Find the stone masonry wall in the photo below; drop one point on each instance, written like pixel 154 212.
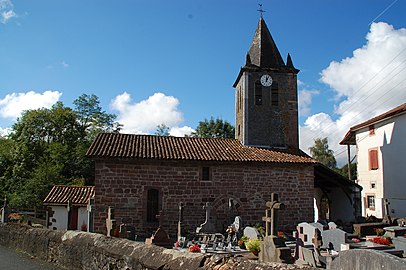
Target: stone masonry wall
pixel 124 185
pixel 89 251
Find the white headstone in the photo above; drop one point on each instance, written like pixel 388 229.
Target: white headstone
pixel 251 232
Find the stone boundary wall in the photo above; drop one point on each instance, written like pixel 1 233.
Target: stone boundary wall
pixel 80 250
pixel 363 259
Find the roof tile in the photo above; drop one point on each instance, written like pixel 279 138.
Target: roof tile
pixel 131 146
pixel 76 195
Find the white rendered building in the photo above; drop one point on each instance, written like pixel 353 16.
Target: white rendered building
pixel 381 165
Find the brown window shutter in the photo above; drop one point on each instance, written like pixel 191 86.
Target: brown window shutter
pixel 373 159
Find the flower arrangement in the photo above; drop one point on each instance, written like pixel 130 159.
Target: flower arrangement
pixel 379 231
pixel 241 243
pixel 254 245
pixel 382 240
pixel 231 229
pixel 194 248
pixel 15 218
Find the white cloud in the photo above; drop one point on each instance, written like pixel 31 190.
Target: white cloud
pixel 181 131
pixel 12 105
pixel 371 81
pixel 5 131
pixel 64 64
pixel 146 115
pixel 6 11
pixel 305 100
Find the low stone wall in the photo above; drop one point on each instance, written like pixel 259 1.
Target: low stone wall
pixel 364 259
pixel 80 250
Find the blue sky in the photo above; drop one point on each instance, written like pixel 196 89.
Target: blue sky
pixel 175 62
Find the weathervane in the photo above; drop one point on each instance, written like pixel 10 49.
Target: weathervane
pixel 260 10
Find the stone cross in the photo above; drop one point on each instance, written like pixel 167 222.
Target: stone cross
pixel 181 206
pixel 160 218
pixel 387 217
pixel 110 221
pixel 207 226
pixel 272 206
pixel 207 207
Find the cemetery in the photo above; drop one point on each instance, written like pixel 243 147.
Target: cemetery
pixel 309 246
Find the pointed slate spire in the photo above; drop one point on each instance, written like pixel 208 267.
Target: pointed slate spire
pixel 248 60
pixel 263 51
pixel 289 62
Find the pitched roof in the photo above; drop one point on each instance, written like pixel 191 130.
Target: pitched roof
pixel 349 138
pixel 150 147
pixel 264 54
pixel 263 51
pixel 75 195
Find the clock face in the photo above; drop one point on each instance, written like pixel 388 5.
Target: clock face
pixel 266 80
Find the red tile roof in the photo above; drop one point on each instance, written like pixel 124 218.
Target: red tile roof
pixel 76 195
pixel 349 138
pixel 131 146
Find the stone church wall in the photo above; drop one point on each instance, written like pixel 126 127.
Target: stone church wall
pixel 124 186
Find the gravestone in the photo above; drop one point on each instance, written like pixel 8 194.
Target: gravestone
pixel 208 226
pixel 251 232
pixel 127 231
pixel 160 237
pixel 4 212
pixel 333 239
pixel 332 225
pixel 273 248
pixel 110 221
pixel 180 221
pixel 304 234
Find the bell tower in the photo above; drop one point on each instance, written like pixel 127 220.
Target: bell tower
pixel 266 96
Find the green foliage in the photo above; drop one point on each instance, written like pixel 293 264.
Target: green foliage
pixel 322 153
pixel 47 147
pixel 344 171
pixel 162 130
pixel 254 245
pixel 214 129
pixel 92 118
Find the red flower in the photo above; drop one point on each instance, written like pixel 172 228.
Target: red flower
pixel 194 248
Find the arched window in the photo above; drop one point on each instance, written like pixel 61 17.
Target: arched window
pixel 152 205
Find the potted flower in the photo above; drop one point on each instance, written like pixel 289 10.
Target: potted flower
pixel 194 248
pixel 241 243
pixel 254 245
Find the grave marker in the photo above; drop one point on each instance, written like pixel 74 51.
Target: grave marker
pixel 110 221
pixel 160 237
pixel 208 226
pixel 273 248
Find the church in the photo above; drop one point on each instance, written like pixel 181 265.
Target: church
pixel 141 175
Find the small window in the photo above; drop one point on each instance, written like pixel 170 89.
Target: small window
pixel 373 185
pixel 373 159
pixel 258 93
pixel 274 94
pixel 238 130
pixel 371 130
pixel 206 174
pixel 371 202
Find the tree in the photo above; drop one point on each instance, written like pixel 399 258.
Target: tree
pixel 162 130
pixel 48 146
pixel 344 171
pixel 322 153
pixel 214 129
pixel 92 118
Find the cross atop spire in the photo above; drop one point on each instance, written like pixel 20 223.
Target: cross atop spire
pixel 260 10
